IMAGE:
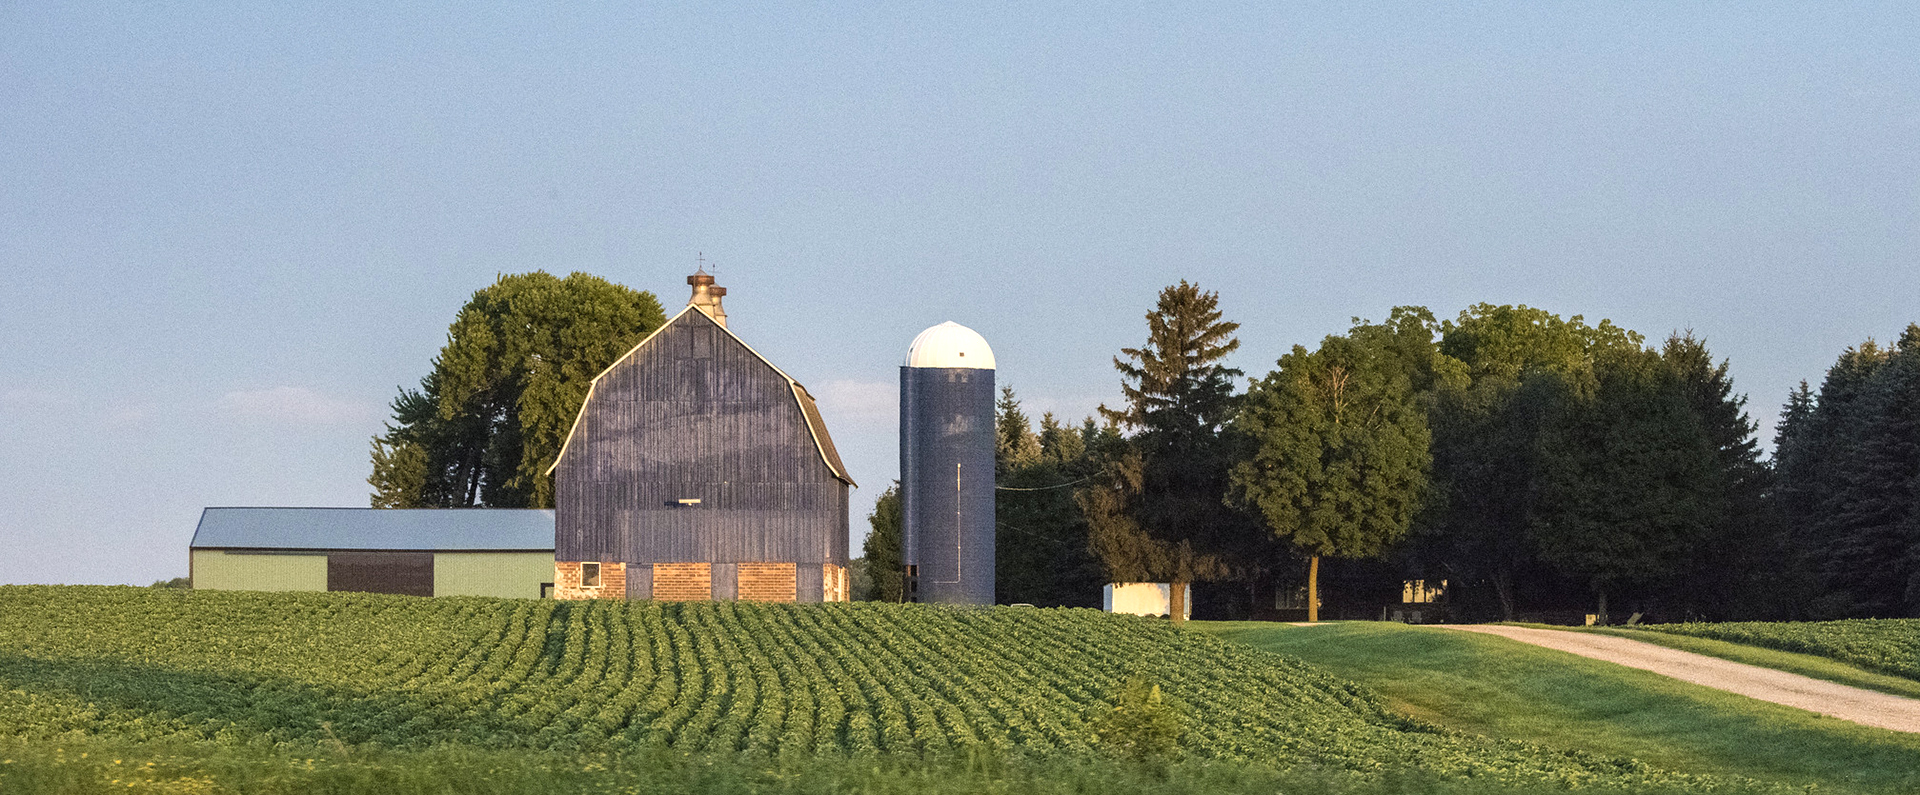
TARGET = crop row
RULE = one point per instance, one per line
(762, 679)
(1891, 645)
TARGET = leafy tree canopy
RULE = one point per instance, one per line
(490, 417)
(1338, 443)
(1630, 480)
(882, 550)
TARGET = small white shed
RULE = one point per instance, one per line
(1143, 599)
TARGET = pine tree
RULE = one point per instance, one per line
(1792, 457)
(1040, 534)
(1015, 445)
(1157, 512)
(1872, 510)
(1828, 451)
(1737, 570)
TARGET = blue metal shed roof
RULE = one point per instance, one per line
(374, 528)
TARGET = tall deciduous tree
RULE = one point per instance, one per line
(1487, 429)
(1157, 514)
(492, 414)
(1629, 484)
(1338, 453)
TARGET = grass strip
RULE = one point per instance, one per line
(1511, 690)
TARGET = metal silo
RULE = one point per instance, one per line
(946, 467)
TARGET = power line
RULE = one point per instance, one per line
(1048, 488)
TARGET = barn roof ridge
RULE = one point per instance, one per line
(816, 425)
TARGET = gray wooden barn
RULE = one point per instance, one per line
(697, 469)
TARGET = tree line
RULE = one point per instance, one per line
(1534, 462)
(1539, 464)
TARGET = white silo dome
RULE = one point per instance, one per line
(950, 345)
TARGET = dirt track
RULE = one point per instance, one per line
(1814, 695)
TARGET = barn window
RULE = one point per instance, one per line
(589, 575)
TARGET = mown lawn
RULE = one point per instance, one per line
(1506, 689)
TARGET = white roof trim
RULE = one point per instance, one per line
(818, 447)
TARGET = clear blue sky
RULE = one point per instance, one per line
(229, 233)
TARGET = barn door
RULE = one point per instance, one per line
(404, 573)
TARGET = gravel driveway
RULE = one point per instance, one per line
(1814, 695)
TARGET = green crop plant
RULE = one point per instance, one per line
(392, 674)
(1889, 645)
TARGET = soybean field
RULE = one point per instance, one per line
(739, 679)
(1889, 645)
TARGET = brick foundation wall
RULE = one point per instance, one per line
(683, 582)
(767, 582)
(566, 581)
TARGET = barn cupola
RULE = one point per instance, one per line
(707, 295)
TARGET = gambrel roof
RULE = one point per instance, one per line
(816, 425)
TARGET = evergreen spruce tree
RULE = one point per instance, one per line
(1737, 569)
(1015, 444)
(1040, 534)
(1828, 530)
(1157, 513)
(1871, 512)
(1792, 458)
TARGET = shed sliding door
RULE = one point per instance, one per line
(404, 573)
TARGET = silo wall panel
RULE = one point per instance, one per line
(946, 483)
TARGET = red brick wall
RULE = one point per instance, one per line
(683, 582)
(768, 582)
(566, 581)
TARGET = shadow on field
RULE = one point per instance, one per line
(138, 701)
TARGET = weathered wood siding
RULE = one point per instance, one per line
(693, 414)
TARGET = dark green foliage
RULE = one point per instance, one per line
(1512, 364)
(1743, 566)
(177, 582)
(1848, 480)
(1040, 534)
(1629, 483)
(491, 416)
(1337, 446)
(1141, 724)
(1156, 512)
(881, 554)
(1795, 463)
